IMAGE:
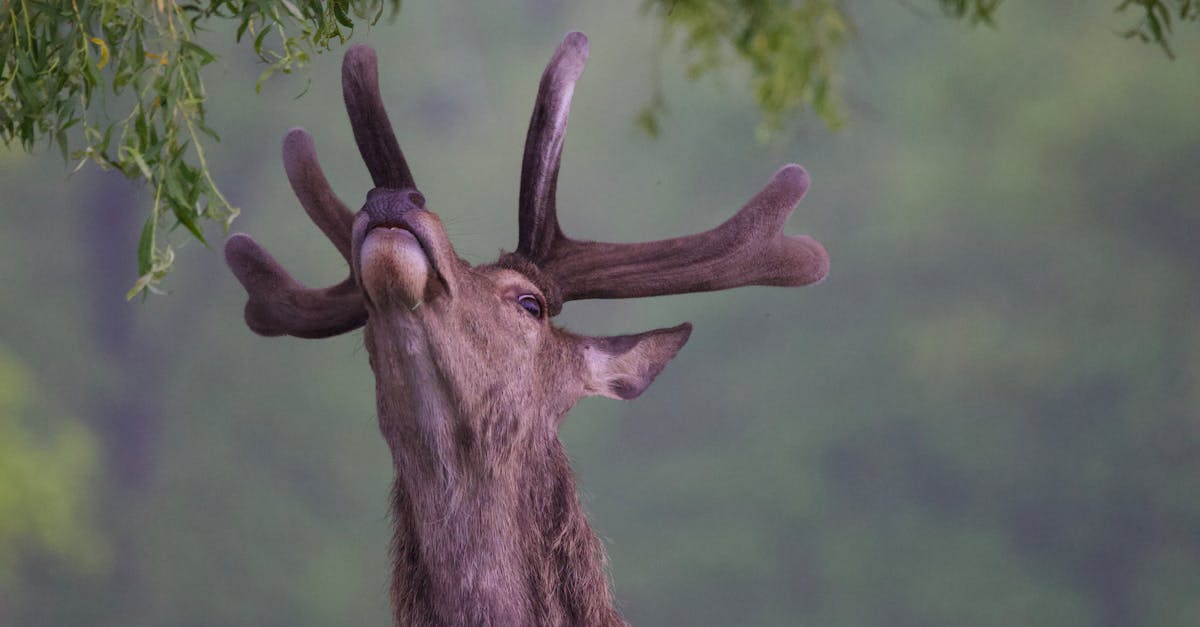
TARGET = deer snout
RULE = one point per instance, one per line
(388, 207)
(400, 253)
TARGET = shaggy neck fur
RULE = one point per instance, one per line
(488, 527)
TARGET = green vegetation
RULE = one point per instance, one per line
(119, 82)
(126, 75)
(1158, 19)
(790, 48)
(46, 469)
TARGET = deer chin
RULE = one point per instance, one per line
(395, 269)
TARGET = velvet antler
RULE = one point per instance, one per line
(372, 131)
(748, 249)
(278, 304)
(538, 222)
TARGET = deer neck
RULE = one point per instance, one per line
(488, 526)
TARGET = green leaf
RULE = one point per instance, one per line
(293, 10)
(188, 219)
(142, 284)
(241, 29)
(262, 78)
(145, 255)
(339, 12)
(207, 130)
(140, 161)
(205, 56)
(258, 41)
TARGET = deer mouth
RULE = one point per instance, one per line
(396, 263)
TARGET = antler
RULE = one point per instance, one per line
(748, 249)
(278, 304)
(538, 222)
(372, 131)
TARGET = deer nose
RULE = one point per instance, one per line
(388, 206)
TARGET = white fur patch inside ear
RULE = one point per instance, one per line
(604, 369)
(624, 366)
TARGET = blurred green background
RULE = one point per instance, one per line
(989, 414)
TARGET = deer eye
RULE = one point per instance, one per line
(531, 304)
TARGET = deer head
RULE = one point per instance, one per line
(472, 375)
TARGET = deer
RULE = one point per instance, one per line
(472, 376)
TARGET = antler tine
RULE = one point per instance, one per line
(748, 249)
(538, 224)
(308, 181)
(372, 131)
(279, 305)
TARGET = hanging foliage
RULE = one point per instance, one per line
(791, 46)
(68, 65)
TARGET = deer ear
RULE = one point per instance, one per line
(623, 366)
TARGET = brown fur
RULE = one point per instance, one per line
(489, 530)
(470, 385)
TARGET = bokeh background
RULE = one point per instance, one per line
(989, 414)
